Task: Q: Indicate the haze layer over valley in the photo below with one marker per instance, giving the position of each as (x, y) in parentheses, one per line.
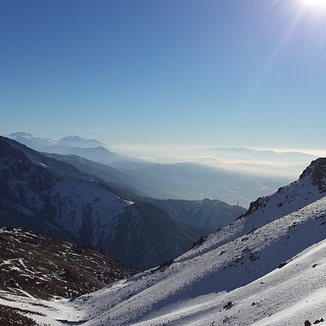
(236, 176)
(265, 268)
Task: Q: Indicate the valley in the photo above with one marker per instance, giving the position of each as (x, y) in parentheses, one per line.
(190, 262)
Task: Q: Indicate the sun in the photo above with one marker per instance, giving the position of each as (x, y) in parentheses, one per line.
(314, 3)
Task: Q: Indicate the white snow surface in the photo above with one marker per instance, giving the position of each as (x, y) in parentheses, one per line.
(267, 268)
(245, 272)
(275, 275)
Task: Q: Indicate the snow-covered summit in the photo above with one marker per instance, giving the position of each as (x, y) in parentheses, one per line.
(39, 142)
(78, 141)
(31, 141)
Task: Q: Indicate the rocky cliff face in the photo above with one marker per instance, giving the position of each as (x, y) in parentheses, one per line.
(316, 172)
(56, 199)
(310, 186)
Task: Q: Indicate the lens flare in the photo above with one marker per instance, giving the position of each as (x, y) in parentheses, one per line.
(315, 3)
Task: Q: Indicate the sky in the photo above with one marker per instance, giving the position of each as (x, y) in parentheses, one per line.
(162, 74)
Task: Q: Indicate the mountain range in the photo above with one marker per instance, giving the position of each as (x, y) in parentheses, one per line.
(268, 267)
(87, 148)
(56, 199)
(248, 154)
(41, 144)
(195, 180)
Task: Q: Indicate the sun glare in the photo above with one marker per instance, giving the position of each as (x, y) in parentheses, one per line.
(315, 3)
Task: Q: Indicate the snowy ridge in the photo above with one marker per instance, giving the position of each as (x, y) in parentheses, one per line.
(273, 274)
(78, 202)
(264, 210)
(213, 276)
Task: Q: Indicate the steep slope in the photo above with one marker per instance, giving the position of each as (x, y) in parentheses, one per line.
(117, 179)
(40, 268)
(310, 187)
(56, 199)
(44, 267)
(274, 274)
(209, 215)
(271, 274)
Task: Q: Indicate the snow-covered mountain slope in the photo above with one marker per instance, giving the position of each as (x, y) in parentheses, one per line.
(275, 276)
(270, 270)
(117, 179)
(56, 199)
(267, 268)
(310, 187)
(209, 215)
(241, 282)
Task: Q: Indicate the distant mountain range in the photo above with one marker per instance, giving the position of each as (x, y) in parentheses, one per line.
(58, 200)
(248, 154)
(43, 143)
(241, 182)
(87, 148)
(268, 267)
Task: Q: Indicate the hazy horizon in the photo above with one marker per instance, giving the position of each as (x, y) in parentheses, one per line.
(287, 165)
(156, 78)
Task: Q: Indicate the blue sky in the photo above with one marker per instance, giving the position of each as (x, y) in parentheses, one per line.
(166, 73)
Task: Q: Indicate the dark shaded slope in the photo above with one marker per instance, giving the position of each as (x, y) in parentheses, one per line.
(56, 199)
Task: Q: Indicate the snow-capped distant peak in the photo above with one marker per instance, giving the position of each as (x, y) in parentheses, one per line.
(78, 141)
(31, 141)
(17, 135)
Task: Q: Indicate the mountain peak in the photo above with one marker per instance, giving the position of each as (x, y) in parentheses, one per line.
(78, 141)
(21, 134)
(317, 173)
